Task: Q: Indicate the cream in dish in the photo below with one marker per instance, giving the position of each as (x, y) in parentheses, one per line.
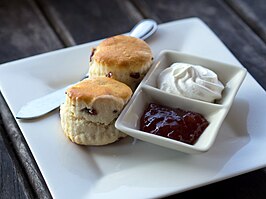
(192, 81)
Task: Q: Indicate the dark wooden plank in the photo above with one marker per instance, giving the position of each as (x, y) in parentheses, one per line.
(85, 21)
(238, 37)
(253, 13)
(10, 187)
(23, 32)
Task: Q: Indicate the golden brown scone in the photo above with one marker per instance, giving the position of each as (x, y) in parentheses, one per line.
(91, 108)
(124, 58)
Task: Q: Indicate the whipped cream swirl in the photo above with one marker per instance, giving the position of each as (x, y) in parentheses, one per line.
(192, 81)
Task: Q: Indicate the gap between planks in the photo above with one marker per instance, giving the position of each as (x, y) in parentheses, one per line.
(61, 30)
(249, 17)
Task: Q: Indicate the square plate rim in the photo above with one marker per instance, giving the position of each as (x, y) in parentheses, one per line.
(195, 20)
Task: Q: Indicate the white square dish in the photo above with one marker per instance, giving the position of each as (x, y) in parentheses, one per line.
(130, 167)
(129, 120)
(230, 75)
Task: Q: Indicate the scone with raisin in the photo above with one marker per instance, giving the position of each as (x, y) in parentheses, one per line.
(91, 108)
(124, 58)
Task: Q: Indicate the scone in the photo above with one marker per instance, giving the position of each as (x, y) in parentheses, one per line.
(124, 58)
(91, 108)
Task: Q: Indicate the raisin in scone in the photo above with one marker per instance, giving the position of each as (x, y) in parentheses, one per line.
(124, 58)
(91, 108)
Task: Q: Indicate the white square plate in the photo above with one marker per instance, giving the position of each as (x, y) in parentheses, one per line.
(129, 120)
(134, 168)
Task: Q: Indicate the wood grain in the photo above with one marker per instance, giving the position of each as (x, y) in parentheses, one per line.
(10, 187)
(85, 21)
(237, 36)
(253, 13)
(24, 31)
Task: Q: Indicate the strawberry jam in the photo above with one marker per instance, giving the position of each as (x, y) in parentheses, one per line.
(173, 123)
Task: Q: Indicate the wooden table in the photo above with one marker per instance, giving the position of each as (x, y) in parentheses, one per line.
(30, 27)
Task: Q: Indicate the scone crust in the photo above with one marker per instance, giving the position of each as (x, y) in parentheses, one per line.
(84, 132)
(91, 108)
(89, 89)
(123, 52)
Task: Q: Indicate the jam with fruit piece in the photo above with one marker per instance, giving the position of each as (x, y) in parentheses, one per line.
(173, 123)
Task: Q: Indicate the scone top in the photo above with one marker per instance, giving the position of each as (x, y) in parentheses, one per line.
(89, 89)
(123, 52)
(124, 58)
(99, 100)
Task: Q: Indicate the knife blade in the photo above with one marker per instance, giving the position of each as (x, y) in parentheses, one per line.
(42, 105)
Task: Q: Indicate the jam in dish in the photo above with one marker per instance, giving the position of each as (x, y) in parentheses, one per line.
(173, 123)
